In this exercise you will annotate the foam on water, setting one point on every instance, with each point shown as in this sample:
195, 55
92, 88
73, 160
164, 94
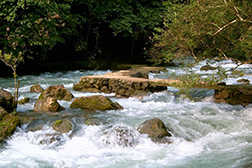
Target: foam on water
205, 134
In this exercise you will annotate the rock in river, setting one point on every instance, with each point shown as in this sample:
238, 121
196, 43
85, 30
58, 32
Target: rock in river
8, 123
98, 102
62, 126
36, 88
155, 129
6, 100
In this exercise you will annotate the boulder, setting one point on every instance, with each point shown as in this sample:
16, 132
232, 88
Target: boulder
47, 100
6, 101
48, 104
98, 102
155, 129
59, 92
8, 124
36, 88
62, 126
120, 135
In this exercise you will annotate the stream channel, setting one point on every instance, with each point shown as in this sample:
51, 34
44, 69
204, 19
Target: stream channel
205, 134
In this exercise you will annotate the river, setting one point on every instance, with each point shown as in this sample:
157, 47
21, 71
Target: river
205, 134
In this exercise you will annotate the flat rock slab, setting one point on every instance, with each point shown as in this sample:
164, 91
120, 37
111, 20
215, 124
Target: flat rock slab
133, 83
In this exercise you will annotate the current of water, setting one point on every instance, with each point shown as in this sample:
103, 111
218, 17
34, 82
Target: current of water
205, 134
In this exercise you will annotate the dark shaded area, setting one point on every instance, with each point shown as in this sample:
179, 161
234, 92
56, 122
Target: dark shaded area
114, 49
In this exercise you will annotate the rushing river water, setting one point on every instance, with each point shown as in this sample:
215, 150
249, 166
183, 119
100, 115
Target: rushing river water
205, 134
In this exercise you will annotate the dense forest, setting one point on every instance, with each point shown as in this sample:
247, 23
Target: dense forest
50, 35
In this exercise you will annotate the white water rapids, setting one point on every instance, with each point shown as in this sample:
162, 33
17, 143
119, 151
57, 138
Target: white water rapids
205, 134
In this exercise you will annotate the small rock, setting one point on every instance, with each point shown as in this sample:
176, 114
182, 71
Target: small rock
36, 88
25, 100
63, 126
155, 129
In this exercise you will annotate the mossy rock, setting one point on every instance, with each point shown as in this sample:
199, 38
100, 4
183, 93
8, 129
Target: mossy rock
95, 103
63, 126
3, 112
8, 125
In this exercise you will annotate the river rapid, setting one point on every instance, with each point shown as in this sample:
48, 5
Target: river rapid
205, 134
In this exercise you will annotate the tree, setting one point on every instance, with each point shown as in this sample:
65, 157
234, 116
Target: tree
122, 17
220, 29
24, 24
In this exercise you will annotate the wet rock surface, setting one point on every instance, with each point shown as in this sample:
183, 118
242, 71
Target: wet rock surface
48, 104
62, 126
155, 129
99, 102
8, 123
239, 95
59, 92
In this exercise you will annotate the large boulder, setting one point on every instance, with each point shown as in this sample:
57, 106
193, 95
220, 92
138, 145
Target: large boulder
59, 92
36, 88
155, 129
62, 126
48, 104
8, 123
98, 102
6, 101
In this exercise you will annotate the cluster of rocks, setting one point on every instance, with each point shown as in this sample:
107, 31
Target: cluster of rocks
126, 83
8, 121
123, 84
125, 136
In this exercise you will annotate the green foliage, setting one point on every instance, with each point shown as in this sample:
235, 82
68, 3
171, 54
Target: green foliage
205, 29
24, 24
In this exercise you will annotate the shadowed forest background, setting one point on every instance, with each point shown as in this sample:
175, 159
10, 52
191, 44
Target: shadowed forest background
52, 35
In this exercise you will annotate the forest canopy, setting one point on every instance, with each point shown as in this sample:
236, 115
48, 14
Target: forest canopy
119, 30
220, 29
